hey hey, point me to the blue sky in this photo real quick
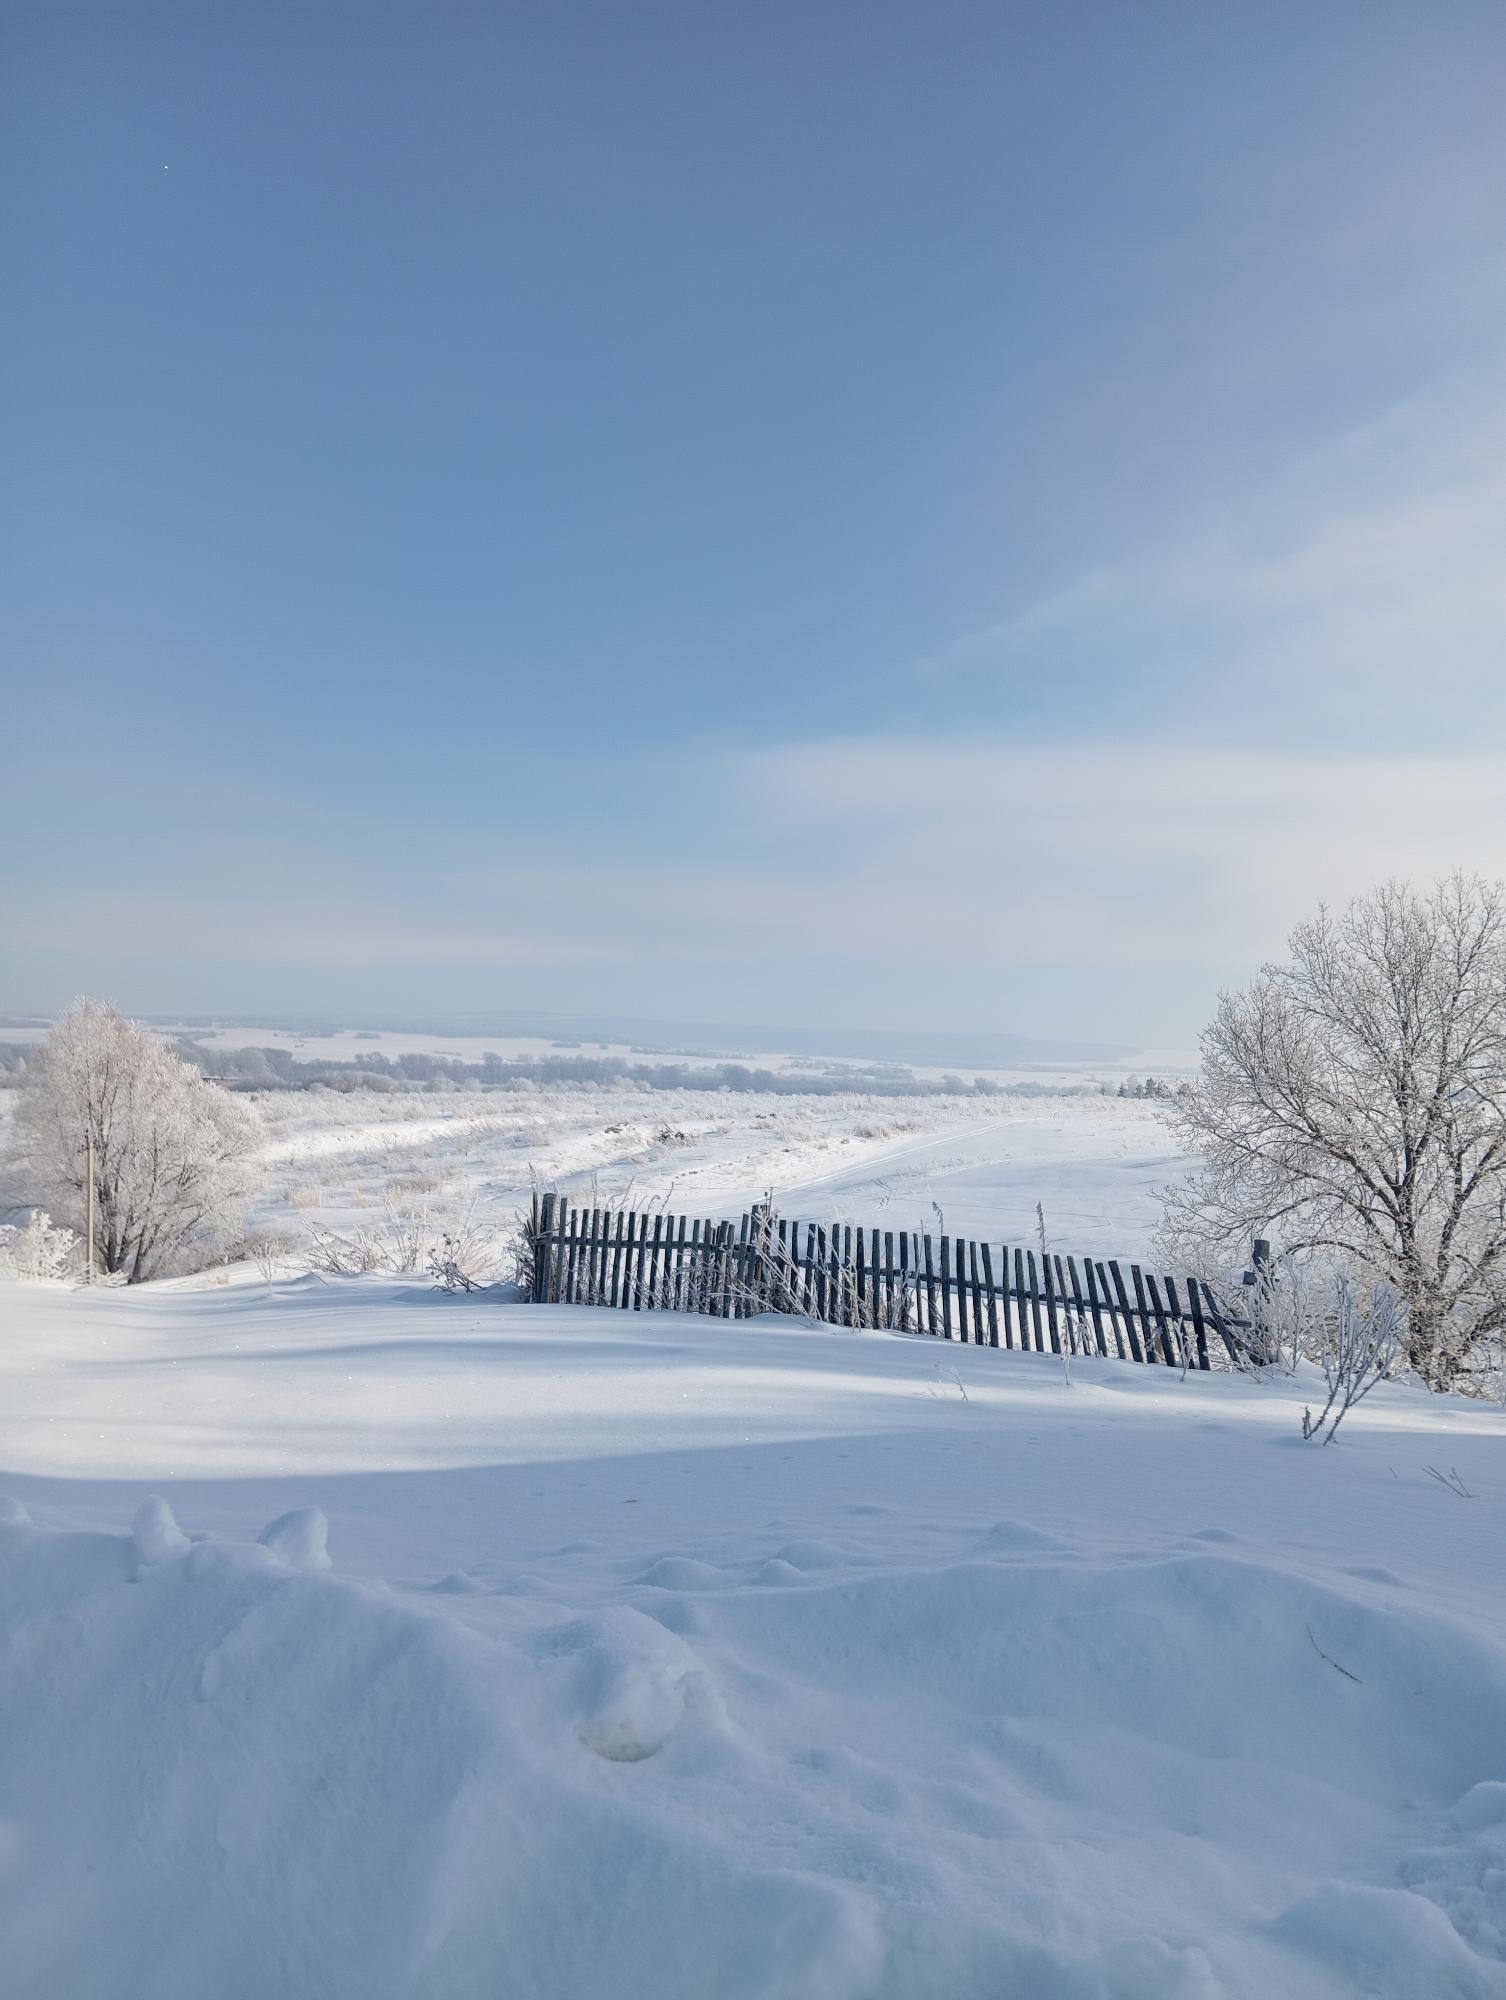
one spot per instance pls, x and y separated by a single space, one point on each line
963 517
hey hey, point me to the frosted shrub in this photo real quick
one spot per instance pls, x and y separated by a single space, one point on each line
1359 1340
416 1234
38 1249
1353 1328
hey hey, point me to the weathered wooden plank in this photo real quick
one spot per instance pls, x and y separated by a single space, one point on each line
1199 1330
640 1269
1048 1285
979 1334
1137 1353
715 1272
1095 1306
1021 1299
1073 1290
755 1276
572 1248
541 1238
1177 1319
1169 1352
612 1263
1147 1338
629 1247
946 1286
1105 1293
729 1271
1035 1308
587 1252
993 1297
709 1234
676 1266
1148 1333
583 1266
689 1292
711 1255
559 1253
1006 1334
562 1252
1221 1325
742 1255
929 1253
959 1275
651 1283
1071 1333
603 1256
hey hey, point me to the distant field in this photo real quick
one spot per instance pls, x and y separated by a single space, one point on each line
1093 1162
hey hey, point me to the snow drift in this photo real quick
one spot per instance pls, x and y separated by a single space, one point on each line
802 1770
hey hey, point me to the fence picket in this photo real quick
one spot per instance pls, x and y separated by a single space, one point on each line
1163 1328
993 1297
1082 1335
1094 1308
1048 1285
1219 1323
1130 1333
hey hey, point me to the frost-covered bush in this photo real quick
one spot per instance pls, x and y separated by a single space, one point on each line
1306 1309
449 1238
38 1249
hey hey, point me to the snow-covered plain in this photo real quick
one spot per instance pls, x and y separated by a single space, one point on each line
1094 1162
673 1658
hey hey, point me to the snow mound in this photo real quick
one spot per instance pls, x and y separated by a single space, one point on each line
157 1536
299 1538
1387 1944
634 1684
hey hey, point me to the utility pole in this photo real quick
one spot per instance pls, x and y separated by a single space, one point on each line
89 1279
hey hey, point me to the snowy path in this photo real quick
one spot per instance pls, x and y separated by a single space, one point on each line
667 1658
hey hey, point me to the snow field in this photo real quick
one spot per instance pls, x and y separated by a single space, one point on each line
1095 1163
672 1658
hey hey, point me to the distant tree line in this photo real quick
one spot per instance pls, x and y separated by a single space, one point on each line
280 1069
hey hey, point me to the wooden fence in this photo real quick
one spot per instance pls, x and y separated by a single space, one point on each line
850 1276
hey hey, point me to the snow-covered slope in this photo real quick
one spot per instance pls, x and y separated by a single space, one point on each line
669 1658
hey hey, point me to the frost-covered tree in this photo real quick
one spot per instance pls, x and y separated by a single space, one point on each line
175 1158
1352 1104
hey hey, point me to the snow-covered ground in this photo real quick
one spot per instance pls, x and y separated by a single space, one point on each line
672 1658
1093 1162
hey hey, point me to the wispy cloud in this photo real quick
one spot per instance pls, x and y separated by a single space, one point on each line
1361 594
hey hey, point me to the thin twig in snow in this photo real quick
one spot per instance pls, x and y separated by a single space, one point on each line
1453 1482
1332 1661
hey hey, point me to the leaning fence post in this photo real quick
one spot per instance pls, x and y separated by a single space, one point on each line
543 1222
